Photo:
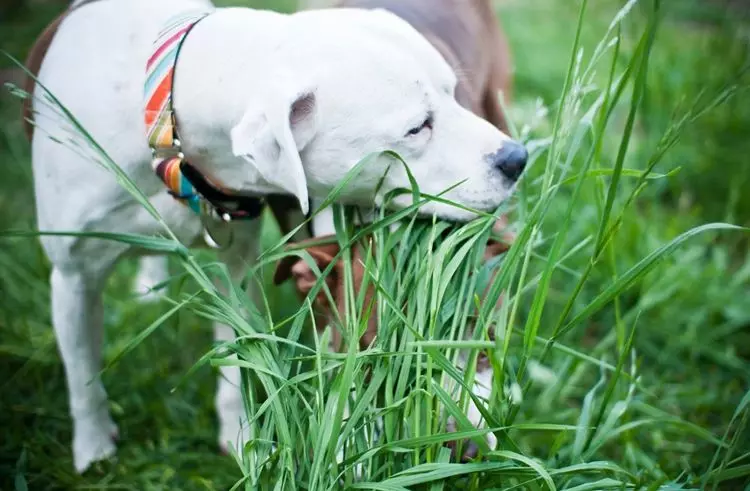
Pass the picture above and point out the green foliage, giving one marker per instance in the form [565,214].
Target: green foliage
[620,351]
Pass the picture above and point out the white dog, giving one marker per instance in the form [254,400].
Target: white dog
[265,103]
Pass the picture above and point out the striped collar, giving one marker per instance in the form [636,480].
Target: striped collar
[183,181]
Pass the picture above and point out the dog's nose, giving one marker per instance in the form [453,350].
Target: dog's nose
[510,160]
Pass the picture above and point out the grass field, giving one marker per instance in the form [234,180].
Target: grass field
[647,386]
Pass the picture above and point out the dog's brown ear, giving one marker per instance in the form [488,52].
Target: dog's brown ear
[303,274]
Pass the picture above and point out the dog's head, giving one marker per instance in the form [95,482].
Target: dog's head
[362,82]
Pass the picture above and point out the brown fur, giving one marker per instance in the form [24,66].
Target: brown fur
[323,254]
[305,279]
[467,34]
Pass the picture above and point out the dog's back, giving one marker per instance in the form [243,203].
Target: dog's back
[468,36]
[34,61]
[33,64]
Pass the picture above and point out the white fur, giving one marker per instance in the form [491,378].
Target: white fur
[240,76]
[483,381]
[152,272]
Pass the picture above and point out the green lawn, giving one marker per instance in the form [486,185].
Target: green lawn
[690,314]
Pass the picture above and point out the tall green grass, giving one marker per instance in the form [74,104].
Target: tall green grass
[426,283]
[592,351]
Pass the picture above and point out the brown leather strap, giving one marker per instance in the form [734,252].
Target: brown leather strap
[34,62]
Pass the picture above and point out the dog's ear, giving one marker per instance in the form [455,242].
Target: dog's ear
[271,135]
[303,274]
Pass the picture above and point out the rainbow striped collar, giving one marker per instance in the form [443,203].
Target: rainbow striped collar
[183,181]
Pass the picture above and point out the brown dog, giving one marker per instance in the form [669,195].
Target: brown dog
[305,279]
[467,34]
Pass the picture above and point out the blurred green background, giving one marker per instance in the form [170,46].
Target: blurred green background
[694,340]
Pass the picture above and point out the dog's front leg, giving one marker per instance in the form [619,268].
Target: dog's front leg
[152,272]
[77,317]
[483,382]
[229,399]
[240,256]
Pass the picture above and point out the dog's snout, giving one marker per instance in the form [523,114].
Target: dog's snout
[510,160]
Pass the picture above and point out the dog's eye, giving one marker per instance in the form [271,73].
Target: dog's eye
[427,124]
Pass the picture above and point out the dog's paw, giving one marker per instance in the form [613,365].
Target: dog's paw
[491,441]
[93,441]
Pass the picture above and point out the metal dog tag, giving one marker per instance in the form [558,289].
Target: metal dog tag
[217,231]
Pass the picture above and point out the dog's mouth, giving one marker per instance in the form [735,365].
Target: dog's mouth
[451,208]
